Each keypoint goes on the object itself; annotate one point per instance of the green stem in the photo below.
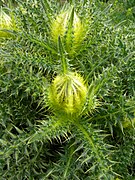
(64, 62)
(64, 65)
(71, 150)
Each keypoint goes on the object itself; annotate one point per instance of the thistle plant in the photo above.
(66, 115)
(67, 96)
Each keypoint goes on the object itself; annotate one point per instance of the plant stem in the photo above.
(71, 150)
(64, 62)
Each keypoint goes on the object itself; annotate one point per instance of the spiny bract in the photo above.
(68, 93)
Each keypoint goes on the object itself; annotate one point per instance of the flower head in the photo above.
(69, 27)
(5, 24)
(68, 93)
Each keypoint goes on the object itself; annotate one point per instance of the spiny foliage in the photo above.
(37, 142)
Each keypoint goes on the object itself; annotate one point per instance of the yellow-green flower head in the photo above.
(68, 93)
(5, 24)
(72, 36)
